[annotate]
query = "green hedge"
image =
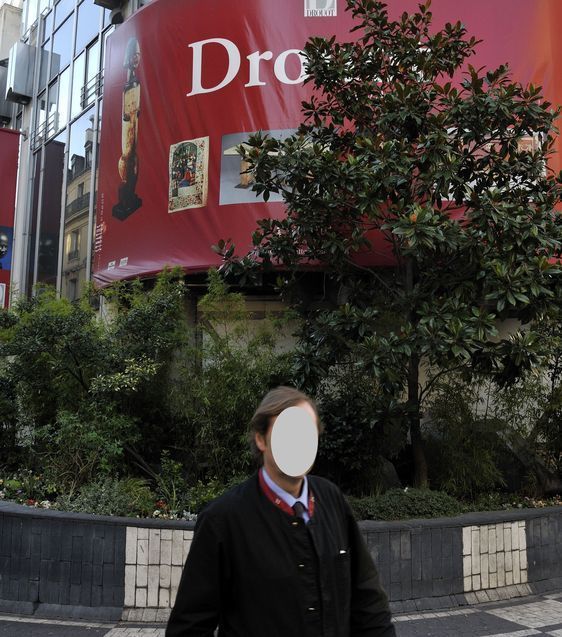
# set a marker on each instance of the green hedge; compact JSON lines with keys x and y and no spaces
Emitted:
{"x":404,"y":504}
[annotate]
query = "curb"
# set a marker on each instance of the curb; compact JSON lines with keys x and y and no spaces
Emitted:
{"x":81,"y":566}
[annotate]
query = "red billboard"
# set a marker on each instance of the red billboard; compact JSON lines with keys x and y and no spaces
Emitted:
{"x":188,"y":81}
{"x":9,"y":149}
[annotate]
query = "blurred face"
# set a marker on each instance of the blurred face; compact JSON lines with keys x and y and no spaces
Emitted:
{"x":3,"y":245}
{"x":290,"y":444}
{"x":131,"y":102}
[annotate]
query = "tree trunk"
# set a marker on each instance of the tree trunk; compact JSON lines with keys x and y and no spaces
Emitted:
{"x":420,"y":463}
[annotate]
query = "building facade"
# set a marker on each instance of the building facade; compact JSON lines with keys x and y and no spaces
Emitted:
{"x":58,"y":114}
{"x":180,"y":84}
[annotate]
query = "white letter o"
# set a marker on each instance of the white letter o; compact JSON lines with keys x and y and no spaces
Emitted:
{"x":279,"y":67}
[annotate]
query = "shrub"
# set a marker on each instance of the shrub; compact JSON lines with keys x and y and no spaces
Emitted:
{"x":77,"y":447}
{"x":203,"y":493}
{"x":25,"y":487}
{"x":60,"y":364}
{"x":171,"y":486}
{"x":359,"y":433}
{"x":216,"y":388}
{"x":9,"y":443}
{"x":406,"y":504}
{"x":50,"y":350}
{"x":506,"y":501}
{"x":111,"y":496}
{"x":464,"y":445}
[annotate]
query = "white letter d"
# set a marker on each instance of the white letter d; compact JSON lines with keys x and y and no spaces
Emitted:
{"x":233,"y":65}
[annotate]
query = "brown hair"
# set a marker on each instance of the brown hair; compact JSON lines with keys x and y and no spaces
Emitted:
{"x":272,"y":404}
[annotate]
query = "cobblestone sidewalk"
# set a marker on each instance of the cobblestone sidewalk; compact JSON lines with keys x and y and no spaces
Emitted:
{"x":516,"y":618}
{"x":522,"y":617}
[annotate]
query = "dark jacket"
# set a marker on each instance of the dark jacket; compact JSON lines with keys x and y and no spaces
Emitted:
{"x":241,"y":572}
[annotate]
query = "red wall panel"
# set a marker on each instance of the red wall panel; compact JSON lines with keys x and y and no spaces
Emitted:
{"x":169,"y":182}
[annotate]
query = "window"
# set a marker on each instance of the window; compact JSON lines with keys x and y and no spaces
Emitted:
{"x":74,"y":245}
{"x":62,"y":9}
{"x":31,"y":13}
{"x":88,"y":146}
{"x":30,"y":265}
{"x":72,"y":289}
{"x":80,"y":137}
{"x":86,"y":80}
{"x":75,"y":240}
{"x":43,"y":5}
{"x":106,"y":17}
{"x":41,"y":111}
{"x":77,"y":86}
{"x":62,"y":47}
{"x":53,"y":109}
{"x":92,"y":85}
{"x":58,"y":101}
{"x":48,"y":26}
{"x":43,"y":65}
{"x":51,"y":199}
{"x":87,"y":27}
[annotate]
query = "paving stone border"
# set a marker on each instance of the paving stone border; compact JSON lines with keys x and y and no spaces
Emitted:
{"x":96,"y":567}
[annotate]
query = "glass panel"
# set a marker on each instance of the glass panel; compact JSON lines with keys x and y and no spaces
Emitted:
{"x":77,"y":205}
{"x":92,"y":69}
{"x":72,"y":290}
{"x":93,"y":60}
{"x":77,"y":86}
{"x":62,"y":9}
{"x":88,"y":24}
{"x":32,"y":7}
{"x":30,"y":265}
{"x":97,"y":232}
{"x":64,"y":88}
{"x":52,"y":114}
{"x":48,"y":25}
{"x":97,"y":138}
{"x":51,"y":199}
{"x":42,"y":32}
{"x":62,"y":46}
{"x":100,"y":111}
{"x":106,"y":17}
{"x":105,"y":35}
{"x":41,"y":111}
{"x":44,"y":65}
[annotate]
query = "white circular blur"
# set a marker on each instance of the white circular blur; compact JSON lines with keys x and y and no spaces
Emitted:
{"x":294,"y":441}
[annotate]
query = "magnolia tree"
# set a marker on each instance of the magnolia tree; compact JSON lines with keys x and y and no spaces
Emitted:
{"x":404,"y":144}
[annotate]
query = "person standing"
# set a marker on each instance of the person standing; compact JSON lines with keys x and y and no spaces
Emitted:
{"x":280,"y":555}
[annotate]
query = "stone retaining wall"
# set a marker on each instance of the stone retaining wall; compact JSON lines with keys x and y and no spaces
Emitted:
{"x":494,"y":555}
{"x":65,"y":564}
{"x":154,"y":560}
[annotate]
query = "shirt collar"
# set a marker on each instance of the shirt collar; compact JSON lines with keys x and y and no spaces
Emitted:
{"x":284,"y":495}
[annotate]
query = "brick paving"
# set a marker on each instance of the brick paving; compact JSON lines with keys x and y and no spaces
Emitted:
{"x":522,"y":617}
{"x":14,"y":626}
{"x":516,"y":618}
